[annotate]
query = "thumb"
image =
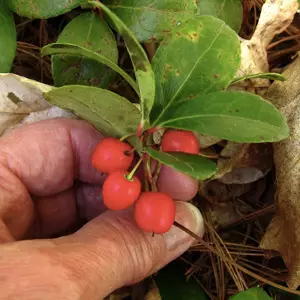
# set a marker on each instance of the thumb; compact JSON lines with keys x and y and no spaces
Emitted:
{"x":110,"y":251}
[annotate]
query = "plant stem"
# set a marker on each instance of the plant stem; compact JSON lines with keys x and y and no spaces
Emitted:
{"x":131,"y":174}
{"x":123,"y":138}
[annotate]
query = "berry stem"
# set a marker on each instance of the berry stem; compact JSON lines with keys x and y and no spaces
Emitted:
{"x":131,"y":174}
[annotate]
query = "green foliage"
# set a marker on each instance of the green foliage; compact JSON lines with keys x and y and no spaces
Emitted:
{"x":173,"y":285}
{"x":141,"y":64}
{"x":42,"y":9}
{"x":59,"y":48}
{"x":148,"y":19}
{"x":255,"y":293}
{"x":211,"y":64}
{"x":151,"y":20}
{"x":112,"y":114}
{"x":230,"y":11}
{"x":235,"y":116}
{"x":8,"y":41}
{"x":89,"y":31}
{"x":194,"y":165}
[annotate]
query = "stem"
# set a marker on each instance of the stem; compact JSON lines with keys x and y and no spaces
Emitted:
{"x":131,"y":174}
{"x":123,"y":138}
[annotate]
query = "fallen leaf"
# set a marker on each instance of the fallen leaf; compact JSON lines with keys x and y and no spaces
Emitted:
{"x":283,"y":233}
{"x":217,"y":192}
{"x":22,"y":102}
{"x":225,"y":214}
{"x":275,"y":17}
{"x":244,"y":163}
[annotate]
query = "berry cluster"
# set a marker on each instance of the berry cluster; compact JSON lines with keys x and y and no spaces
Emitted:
{"x":153,"y":211}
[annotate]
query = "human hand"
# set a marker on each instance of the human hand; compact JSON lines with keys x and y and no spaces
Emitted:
{"x":39,"y":200}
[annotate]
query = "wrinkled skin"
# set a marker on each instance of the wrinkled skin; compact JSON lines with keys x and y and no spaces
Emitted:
{"x":57,"y":241}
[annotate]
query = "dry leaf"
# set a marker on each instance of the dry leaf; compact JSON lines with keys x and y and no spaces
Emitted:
{"x":22,"y":101}
{"x":283,"y":234}
{"x":275,"y":17}
{"x":244,"y":163}
{"x":224,"y":214}
{"x":217,"y":192}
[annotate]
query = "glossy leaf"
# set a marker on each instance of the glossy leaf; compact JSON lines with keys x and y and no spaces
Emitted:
{"x":194,"y":165}
{"x":255,"y":293}
{"x":148,"y":19}
{"x":201,"y":56}
{"x":42,"y":9}
{"x":271,"y":76}
{"x":236,"y":116}
{"x":8,"y":41}
{"x":142,"y":67}
{"x":87,"y":30}
{"x":108,"y":112}
{"x":230,"y":11}
{"x":71,"y":49}
{"x":173,"y":284}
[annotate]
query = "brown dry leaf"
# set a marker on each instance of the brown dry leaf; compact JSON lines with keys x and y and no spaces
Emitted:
{"x":217,"y":192}
{"x":283,"y":233}
{"x":275,"y":17}
{"x":243,"y":163}
{"x":224,"y":214}
{"x":22,"y":101}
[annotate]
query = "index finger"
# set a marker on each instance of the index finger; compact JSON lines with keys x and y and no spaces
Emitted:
{"x":47,"y":156}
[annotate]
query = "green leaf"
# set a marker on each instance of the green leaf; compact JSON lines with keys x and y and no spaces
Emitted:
{"x":173,"y":284}
{"x":200,"y":56}
{"x":271,"y":76}
{"x":42,"y":9}
{"x":255,"y":293}
{"x":8,"y":41}
{"x":148,"y":19}
{"x":110,"y":113}
{"x":141,"y":64}
{"x":236,"y":116}
{"x":194,"y":165}
{"x":230,"y":11}
{"x":90,"y":31}
{"x":71,"y":49}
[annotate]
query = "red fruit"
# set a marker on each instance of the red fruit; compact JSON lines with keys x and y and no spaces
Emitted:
{"x":112,"y":155}
{"x":154,"y":212}
{"x":180,"y":141}
{"x":119,"y":192}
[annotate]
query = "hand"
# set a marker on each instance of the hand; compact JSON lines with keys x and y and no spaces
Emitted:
{"x":39,"y":164}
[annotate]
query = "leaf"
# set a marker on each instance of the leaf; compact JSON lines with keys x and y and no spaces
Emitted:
{"x":141,"y":64}
{"x":200,"y":56}
{"x":255,"y":293}
{"x":22,"y":102}
{"x":8,"y":42}
{"x":173,"y":284}
{"x":42,"y":9}
{"x":148,"y":19}
{"x":284,"y":229}
{"x":271,"y":76}
{"x":231,"y":115}
{"x":194,"y":165}
{"x":71,"y":49}
{"x":230,"y":11}
{"x":108,"y":112}
{"x":87,"y":30}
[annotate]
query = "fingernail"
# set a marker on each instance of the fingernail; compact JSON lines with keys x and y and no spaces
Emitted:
{"x":190,"y":217}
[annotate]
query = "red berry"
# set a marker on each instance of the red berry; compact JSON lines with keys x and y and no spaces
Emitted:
{"x":119,"y":192}
{"x":180,"y":141}
{"x":154,"y":212}
{"x":112,"y":155}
